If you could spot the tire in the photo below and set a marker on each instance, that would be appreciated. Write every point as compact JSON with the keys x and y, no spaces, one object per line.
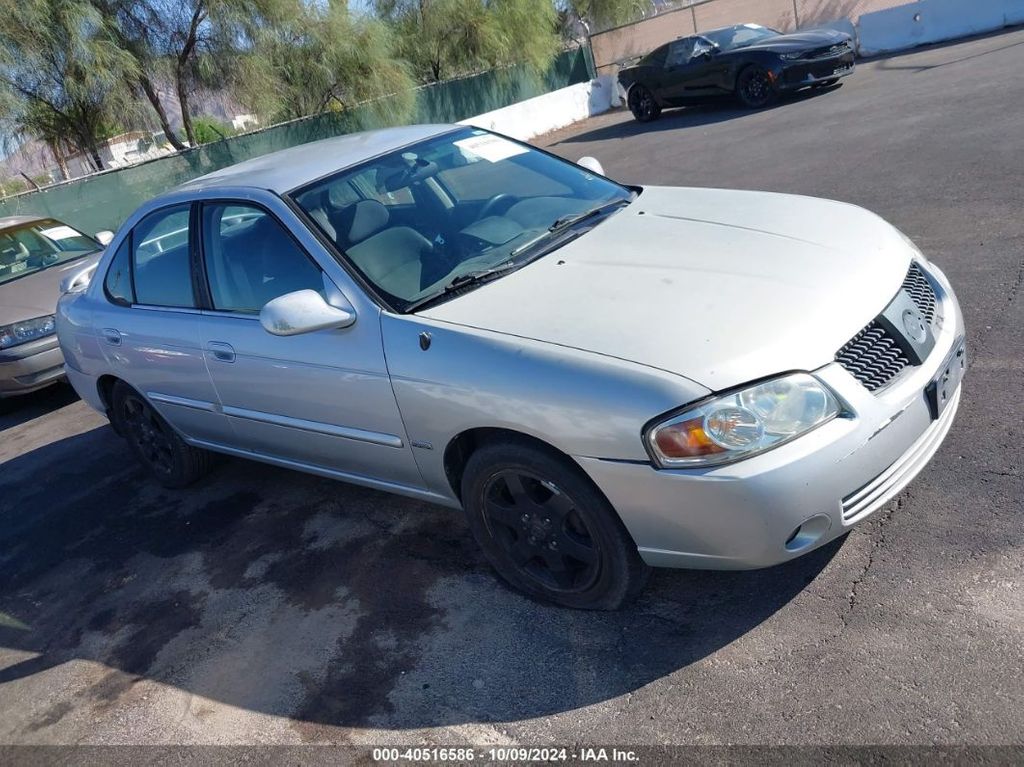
{"x":547,"y":530}
{"x":754,"y":87}
{"x":642,"y":104}
{"x":166,"y":456}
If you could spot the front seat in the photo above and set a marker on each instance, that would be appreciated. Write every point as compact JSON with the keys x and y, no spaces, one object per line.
{"x":393,"y":258}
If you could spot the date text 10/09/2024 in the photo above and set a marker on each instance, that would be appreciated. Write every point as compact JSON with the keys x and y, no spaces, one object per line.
{"x":503,"y":754}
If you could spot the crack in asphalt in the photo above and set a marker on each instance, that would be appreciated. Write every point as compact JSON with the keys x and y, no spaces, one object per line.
{"x":876,"y":545}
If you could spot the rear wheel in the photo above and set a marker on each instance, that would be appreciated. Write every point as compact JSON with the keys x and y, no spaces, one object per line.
{"x":171,"y":461}
{"x":754,"y":87}
{"x":547,"y":530}
{"x":642,"y":104}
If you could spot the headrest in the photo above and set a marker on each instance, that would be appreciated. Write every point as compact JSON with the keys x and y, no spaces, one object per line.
{"x":362,"y":219}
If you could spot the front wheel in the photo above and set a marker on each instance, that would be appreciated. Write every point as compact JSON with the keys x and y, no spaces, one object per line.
{"x":755,"y":88}
{"x":171,"y":461}
{"x":547,"y":530}
{"x":642,"y":104}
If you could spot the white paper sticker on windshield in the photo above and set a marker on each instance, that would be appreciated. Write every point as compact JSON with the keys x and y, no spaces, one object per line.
{"x":59,"y":232}
{"x":489,"y":147}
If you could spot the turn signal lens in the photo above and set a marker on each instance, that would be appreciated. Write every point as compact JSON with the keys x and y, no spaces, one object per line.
{"x":743,"y":423}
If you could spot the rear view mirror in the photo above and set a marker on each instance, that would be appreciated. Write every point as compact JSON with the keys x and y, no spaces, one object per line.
{"x":303,"y":311}
{"x":591,"y":164}
{"x":104,"y":237}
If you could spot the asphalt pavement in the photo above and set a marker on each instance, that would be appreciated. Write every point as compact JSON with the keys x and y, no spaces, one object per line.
{"x":266,"y":606}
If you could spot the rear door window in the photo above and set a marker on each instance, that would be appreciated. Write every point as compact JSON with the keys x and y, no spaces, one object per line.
{"x":160,"y":259}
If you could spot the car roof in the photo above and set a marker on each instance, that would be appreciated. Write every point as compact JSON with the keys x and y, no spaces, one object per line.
{"x":20,"y":220}
{"x":296,"y":166}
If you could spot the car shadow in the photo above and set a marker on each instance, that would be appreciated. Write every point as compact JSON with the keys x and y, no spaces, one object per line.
{"x":689,"y":117}
{"x":14,"y":411}
{"x":331,"y":604}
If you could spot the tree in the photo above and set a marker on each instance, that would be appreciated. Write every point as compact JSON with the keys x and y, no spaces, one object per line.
{"x":62,"y":74}
{"x":447,"y":38}
{"x":137,"y":27}
{"x":324,"y":58}
{"x":208,"y":129}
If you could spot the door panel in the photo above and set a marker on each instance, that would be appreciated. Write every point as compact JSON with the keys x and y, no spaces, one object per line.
{"x":321,"y":398}
{"x":157,"y":349}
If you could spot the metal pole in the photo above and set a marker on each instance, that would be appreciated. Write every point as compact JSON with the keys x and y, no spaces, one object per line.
{"x":693,"y":12}
{"x":796,"y":16}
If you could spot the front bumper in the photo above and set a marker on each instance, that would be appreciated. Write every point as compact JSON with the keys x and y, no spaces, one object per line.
{"x":783,"y":503}
{"x":800,"y":74}
{"x":28,"y":367}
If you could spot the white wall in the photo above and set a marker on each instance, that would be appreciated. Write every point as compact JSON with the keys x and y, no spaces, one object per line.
{"x":551,"y":111}
{"x":931,"y":21}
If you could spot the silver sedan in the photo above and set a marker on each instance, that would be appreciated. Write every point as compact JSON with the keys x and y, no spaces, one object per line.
{"x":604,"y":377}
{"x":36,"y":255}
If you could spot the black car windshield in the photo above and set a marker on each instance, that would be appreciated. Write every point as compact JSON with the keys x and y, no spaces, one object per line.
{"x":427,"y":217}
{"x":739,"y":36}
{"x":31,"y":247}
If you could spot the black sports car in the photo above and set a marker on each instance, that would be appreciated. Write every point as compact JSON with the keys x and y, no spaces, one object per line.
{"x":752,"y":62}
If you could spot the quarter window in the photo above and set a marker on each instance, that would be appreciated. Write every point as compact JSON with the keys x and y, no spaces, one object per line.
{"x":118,"y":283}
{"x":251,"y":259}
{"x":160,"y":259}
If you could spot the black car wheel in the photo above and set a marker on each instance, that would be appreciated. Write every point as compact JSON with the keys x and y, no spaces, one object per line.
{"x":754,"y":87}
{"x":171,"y":461}
{"x":642,"y":104}
{"x":547,"y":530}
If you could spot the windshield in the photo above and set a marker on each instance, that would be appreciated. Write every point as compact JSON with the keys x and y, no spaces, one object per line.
{"x":32,"y":247}
{"x":740,"y":36}
{"x":426,"y":217}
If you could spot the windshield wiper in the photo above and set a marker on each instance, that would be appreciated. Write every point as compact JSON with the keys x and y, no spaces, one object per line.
{"x":460,"y":282}
{"x":562,"y":223}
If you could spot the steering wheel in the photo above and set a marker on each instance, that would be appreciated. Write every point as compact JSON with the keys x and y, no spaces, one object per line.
{"x":490,"y":207}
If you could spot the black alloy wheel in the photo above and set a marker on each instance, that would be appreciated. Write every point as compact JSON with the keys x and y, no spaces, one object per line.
{"x":643,"y":104}
{"x":149,"y":435}
{"x":169,"y":459}
{"x":755,"y":88}
{"x":547,"y":529}
{"x":541,"y":530}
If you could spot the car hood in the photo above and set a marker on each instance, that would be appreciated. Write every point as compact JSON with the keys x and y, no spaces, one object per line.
{"x":36,"y":294}
{"x":722,"y":287}
{"x":798,"y":41}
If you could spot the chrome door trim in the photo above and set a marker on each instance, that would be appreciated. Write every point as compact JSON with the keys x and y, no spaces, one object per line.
{"x":317,"y":427}
{"x":170,"y":399}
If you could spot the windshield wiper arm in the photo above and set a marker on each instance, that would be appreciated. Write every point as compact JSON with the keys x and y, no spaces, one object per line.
{"x":564,"y":222}
{"x":460,"y":282}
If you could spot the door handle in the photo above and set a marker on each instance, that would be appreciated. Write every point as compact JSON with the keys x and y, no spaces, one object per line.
{"x":112,"y":337}
{"x":221,"y":351}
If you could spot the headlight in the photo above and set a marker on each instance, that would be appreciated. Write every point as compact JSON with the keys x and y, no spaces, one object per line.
{"x":738,"y":425}
{"x":23,"y":332}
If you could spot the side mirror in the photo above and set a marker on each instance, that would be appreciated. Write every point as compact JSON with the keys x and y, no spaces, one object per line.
{"x":591,"y":164}
{"x":303,"y":311}
{"x":104,"y":237}
{"x":79,"y":280}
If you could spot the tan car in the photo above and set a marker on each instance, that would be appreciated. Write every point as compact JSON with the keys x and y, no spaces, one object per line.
{"x":36,"y":256}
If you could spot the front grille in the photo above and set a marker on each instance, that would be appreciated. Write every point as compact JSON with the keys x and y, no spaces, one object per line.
{"x":827,"y":52}
{"x":920,"y":290}
{"x":873,"y":357}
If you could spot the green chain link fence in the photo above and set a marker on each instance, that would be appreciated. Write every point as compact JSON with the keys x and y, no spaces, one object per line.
{"x":104,"y":200}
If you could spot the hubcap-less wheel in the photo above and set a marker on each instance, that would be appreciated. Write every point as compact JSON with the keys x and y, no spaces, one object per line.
{"x":642,"y":104}
{"x":149,"y":434}
{"x":755,"y":87}
{"x":541,"y":530}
